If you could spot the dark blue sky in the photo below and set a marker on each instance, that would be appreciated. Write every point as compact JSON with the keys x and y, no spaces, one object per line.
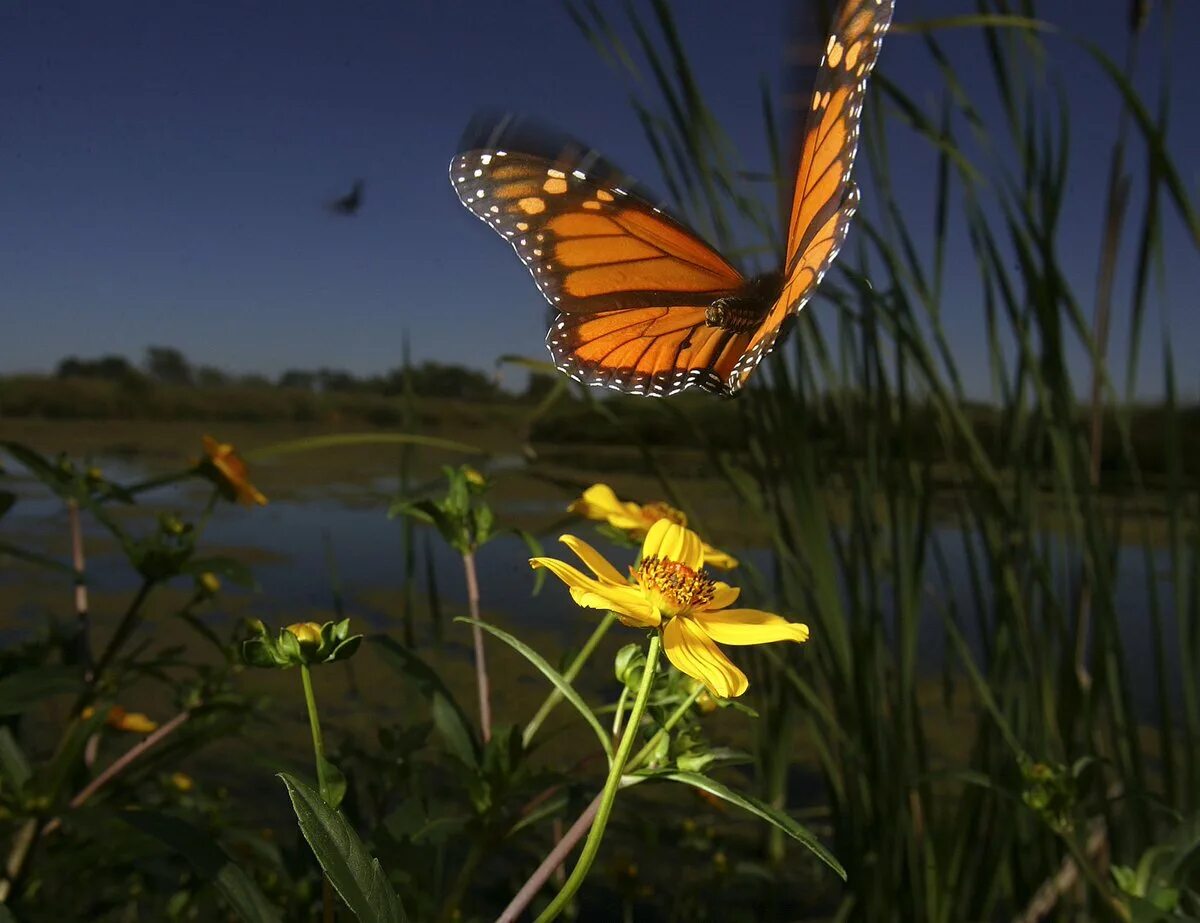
{"x":163,"y":168}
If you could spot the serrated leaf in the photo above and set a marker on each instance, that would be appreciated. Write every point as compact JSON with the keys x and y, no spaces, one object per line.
{"x":773,"y":816}
{"x":560,"y":683}
{"x":209,"y":860}
{"x":356,"y":875}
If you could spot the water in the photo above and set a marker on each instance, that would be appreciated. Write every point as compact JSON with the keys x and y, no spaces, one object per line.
{"x":295,"y":581}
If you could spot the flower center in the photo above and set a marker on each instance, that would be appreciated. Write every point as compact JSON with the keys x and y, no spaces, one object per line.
{"x":653,"y":512}
{"x":676,"y":588}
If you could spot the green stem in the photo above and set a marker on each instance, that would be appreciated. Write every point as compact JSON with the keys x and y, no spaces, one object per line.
{"x":608,"y":796}
{"x":125,"y":628}
{"x":314,"y":724}
{"x":569,"y":675}
{"x":162,"y":480}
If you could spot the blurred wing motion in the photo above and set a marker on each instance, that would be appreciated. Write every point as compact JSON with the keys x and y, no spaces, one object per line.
{"x":825,"y":198}
{"x":644,"y":305}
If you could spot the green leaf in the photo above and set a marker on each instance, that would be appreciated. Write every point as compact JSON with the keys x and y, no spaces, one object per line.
{"x":773,"y":816}
{"x":21,"y":690}
{"x":357,"y":876}
{"x":560,"y":683}
{"x":209,"y":860}
{"x":14,"y":767}
{"x":335,"y":783}
{"x":448,"y":717}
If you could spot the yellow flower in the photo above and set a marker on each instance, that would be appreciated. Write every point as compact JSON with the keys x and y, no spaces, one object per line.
{"x":229,"y":465}
{"x":132,"y":721}
{"x":670,"y":591}
{"x":182,"y":781}
{"x":307,"y":633}
{"x":474,"y":478}
{"x":599,"y":502}
{"x":210,"y":582}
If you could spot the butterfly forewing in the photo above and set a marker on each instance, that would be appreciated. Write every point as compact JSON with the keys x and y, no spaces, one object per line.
{"x":590,"y":247}
{"x":825,"y":198}
{"x":830,"y":139}
{"x":630,"y":283}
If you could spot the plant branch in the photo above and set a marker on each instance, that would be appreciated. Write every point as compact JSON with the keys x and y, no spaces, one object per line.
{"x":481,"y":671}
{"x":555,"y":696}
{"x":608,"y":796}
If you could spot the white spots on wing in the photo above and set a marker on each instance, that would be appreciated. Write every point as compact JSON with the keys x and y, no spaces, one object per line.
{"x":556,"y":174}
{"x":485,"y":159}
{"x":478,"y":173}
{"x":579,"y":174}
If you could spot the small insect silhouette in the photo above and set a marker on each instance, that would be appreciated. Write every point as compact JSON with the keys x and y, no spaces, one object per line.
{"x":351,"y":202}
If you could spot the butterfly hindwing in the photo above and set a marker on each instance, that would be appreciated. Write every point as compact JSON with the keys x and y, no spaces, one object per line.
{"x":656,"y":351}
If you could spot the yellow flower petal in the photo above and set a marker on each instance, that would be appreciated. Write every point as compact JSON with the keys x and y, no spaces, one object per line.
{"x":672,"y":542}
{"x":569,"y":575}
{"x":694,"y":653}
{"x":630,"y":606}
{"x":628,"y":602}
{"x":723,"y":595}
{"x":714,"y":557}
{"x":600,"y":502}
{"x":749,"y":626}
{"x":594,"y":560}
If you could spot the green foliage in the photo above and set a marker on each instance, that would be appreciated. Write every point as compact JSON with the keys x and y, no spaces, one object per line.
{"x":357,"y":876}
{"x":304,"y":643}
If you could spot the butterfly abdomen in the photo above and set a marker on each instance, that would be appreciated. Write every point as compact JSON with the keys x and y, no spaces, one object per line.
{"x":743,"y":312}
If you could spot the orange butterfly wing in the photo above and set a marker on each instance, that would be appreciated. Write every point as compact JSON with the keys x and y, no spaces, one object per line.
{"x":631,"y":284}
{"x":825,"y":199}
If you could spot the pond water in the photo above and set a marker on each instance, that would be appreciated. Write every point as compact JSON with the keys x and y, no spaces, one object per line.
{"x":291,"y":543}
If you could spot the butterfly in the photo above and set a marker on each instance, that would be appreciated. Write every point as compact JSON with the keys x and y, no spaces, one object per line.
{"x":643,"y":305}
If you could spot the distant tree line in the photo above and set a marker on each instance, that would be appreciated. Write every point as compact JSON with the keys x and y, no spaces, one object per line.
{"x":164,"y":365}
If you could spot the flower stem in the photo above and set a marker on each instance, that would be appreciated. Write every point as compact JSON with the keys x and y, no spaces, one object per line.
{"x":481,"y":672}
{"x":83,"y":642}
{"x":569,"y":675}
{"x":314,"y":724}
{"x":596,"y":835}
{"x":125,"y":628}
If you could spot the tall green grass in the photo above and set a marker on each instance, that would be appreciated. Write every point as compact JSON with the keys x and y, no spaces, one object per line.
{"x":1044,"y":750}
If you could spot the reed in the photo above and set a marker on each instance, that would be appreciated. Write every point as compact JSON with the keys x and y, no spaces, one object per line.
{"x":1004,"y":547}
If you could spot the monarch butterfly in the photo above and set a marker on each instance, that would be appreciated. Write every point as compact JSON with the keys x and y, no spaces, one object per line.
{"x":645,"y":306}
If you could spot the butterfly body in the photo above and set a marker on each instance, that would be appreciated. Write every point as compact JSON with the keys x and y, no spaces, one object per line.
{"x":643,"y":304}
{"x":745,"y":311}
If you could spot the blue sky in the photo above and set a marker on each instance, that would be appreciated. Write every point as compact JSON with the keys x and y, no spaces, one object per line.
{"x":163,"y":169}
